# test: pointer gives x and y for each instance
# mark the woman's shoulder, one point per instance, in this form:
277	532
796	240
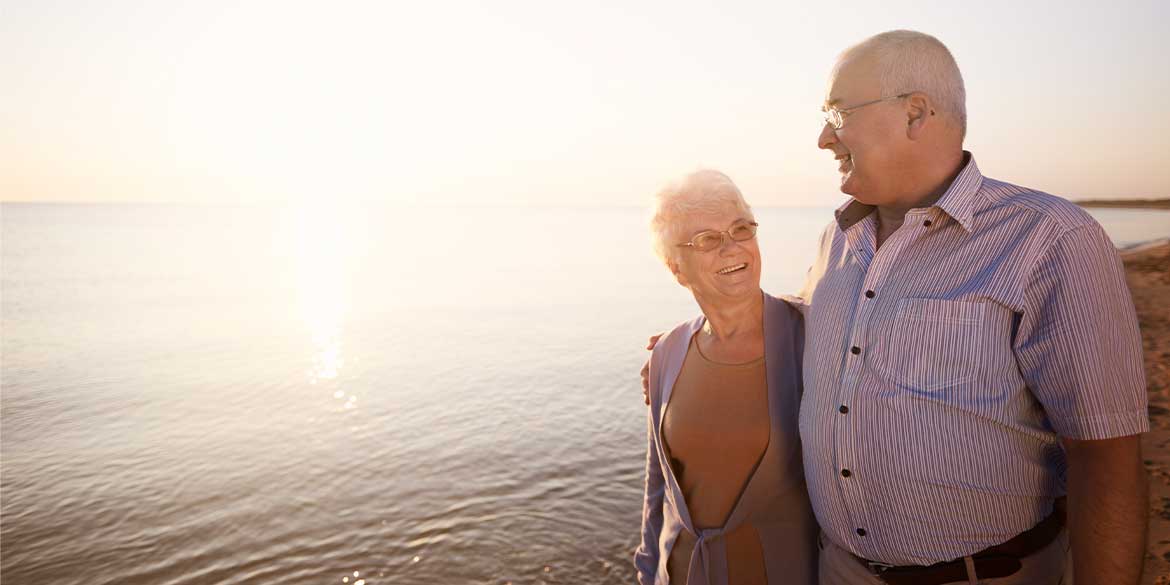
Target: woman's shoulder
785	308
669	353
680	334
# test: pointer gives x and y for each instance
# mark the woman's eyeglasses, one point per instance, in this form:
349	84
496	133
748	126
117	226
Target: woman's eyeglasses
712	239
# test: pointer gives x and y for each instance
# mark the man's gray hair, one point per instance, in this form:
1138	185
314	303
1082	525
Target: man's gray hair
703	191
913	61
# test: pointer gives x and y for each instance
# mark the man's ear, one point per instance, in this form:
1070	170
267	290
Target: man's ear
919	114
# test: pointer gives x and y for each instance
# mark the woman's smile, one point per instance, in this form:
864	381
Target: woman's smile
733	268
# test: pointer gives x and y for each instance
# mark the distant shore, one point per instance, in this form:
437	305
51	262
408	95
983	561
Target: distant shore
1147	269
1126	203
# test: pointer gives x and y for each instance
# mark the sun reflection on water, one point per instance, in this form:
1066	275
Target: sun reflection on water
322	248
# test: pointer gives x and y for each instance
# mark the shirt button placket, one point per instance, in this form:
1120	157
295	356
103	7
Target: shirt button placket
851	489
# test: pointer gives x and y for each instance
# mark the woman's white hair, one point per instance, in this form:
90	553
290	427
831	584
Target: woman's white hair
912	61
703	191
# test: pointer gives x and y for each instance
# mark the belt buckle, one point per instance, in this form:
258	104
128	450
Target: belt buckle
877	568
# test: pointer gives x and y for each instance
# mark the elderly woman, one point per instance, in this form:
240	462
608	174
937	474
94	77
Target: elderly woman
725	498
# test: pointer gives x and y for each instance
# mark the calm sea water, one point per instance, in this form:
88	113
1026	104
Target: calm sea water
322	395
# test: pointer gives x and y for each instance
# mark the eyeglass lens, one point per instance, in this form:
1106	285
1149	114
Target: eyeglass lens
833	118
711	240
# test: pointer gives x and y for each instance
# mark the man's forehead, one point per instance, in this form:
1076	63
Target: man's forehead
852	74
833	92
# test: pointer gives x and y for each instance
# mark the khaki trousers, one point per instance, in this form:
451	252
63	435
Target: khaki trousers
1043	567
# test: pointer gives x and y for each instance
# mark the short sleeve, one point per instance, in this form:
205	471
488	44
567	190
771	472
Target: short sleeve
1078	344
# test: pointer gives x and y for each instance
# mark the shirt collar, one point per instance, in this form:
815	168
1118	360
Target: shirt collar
958	201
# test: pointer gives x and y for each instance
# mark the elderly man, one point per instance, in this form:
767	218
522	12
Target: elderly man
972	356
973	353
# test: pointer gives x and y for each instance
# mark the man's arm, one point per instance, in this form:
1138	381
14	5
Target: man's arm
1079	349
1107	502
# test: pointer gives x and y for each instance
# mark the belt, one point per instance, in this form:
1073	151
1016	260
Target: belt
1000	560
708	564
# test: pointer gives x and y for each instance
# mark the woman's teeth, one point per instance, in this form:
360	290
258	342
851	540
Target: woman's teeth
733	268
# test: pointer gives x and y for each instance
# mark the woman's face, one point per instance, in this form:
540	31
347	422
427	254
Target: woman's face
728	272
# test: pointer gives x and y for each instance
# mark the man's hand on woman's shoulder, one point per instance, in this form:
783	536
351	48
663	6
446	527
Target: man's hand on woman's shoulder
646	369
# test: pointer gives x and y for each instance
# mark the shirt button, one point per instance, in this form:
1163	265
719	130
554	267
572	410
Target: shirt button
869	294
846	473
926	223
855	350
860	532
843	409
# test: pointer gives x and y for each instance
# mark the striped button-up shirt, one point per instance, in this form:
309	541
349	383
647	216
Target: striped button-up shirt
942	369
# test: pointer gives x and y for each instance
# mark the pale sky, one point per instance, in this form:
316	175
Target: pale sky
543	102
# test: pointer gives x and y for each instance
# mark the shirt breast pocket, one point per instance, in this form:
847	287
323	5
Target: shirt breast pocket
937	346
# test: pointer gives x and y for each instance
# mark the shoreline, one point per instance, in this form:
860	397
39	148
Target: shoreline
1133	250
1147	268
1126	203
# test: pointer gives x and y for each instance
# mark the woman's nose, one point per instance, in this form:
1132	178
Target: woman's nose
726	244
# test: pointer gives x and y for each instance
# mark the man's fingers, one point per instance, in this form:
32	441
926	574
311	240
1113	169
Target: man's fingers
646	382
646	370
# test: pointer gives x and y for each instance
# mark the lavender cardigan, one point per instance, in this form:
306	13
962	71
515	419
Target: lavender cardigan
774	501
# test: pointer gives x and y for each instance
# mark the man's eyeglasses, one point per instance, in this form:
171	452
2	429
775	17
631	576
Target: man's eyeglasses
835	117
712	239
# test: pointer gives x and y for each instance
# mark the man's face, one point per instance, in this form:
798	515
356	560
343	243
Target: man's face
870	144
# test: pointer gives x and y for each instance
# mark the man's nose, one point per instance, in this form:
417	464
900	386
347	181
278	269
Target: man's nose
827	138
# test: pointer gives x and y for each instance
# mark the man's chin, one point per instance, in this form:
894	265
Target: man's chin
851	187
848	185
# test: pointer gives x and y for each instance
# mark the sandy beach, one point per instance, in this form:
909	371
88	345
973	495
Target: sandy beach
1148	271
